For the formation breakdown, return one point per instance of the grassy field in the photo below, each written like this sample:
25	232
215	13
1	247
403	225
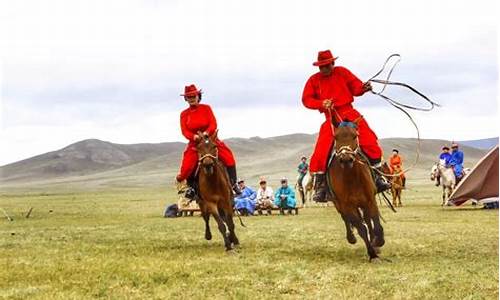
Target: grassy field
116	244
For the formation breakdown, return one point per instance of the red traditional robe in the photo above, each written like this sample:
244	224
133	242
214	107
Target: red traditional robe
341	86
194	119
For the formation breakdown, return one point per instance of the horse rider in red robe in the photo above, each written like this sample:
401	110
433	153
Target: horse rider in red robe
200	118
331	91
396	162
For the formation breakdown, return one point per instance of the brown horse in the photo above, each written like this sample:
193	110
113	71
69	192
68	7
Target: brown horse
350	180
215	191
396	187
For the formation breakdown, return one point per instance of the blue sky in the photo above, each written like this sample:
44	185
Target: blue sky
113	70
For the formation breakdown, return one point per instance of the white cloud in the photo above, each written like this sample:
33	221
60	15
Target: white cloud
113	69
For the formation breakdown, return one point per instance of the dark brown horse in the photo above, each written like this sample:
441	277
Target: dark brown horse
215	191
351	182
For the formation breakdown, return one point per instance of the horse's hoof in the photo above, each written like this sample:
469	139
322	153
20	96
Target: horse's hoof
378	242
377	250
375	260
351	239
208	237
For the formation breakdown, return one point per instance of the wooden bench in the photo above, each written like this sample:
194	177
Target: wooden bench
190	211
269	210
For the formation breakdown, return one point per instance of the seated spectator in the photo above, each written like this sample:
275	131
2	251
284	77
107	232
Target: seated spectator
284	197
245	202
265	197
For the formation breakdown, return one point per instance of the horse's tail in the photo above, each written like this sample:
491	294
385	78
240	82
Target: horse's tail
239	217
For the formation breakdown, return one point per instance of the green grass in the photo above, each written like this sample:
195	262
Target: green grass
116	244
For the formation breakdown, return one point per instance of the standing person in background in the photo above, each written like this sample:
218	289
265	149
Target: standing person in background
302	169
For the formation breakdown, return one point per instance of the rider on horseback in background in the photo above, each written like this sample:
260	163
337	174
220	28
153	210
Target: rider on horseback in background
302	169
456	161
331	91
200	118
396	162
444	159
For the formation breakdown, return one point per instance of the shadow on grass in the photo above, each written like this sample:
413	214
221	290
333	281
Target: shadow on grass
467	209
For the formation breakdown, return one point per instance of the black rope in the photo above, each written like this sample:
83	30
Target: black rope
385	82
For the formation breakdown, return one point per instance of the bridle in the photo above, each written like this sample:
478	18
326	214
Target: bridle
347	150
214	158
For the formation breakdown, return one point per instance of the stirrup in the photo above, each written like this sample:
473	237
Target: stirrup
382	185
190	194
320	195
236	189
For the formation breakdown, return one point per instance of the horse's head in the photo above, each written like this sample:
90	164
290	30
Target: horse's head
207	152
346	143
434	171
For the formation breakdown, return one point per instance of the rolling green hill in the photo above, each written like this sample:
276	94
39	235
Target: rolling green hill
96	163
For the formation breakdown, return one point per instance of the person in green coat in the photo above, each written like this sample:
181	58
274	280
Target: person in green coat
302	169
284	197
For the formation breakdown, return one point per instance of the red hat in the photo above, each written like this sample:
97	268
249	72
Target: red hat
191	90
324	58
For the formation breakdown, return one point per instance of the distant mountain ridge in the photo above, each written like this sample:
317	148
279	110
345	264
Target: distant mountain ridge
274	156
481	143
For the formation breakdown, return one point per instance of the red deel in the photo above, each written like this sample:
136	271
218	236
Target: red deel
194	119
341	86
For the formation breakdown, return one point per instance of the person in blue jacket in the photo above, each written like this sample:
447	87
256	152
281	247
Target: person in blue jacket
245	202
457	161
445	156
284	197
444	159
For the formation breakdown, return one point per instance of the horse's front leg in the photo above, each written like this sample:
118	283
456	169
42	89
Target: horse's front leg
220	223
444	195
348	228
230	226
206	218
363	233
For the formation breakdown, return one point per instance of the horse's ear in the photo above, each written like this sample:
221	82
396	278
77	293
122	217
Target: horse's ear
214	136
357	121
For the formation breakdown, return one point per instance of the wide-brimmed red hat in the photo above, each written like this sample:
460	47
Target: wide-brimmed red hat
324	58
191	90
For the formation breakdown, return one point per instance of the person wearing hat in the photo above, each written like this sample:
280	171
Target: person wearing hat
302	170
265	196
200	118
456	161
444	159
331	91
396	163
284	198
245	201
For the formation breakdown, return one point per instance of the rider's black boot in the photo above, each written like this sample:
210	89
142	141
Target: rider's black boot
380	182
438	180
231	171
320	188
190	192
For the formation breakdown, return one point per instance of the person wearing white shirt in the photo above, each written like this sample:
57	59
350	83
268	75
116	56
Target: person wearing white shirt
265	197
